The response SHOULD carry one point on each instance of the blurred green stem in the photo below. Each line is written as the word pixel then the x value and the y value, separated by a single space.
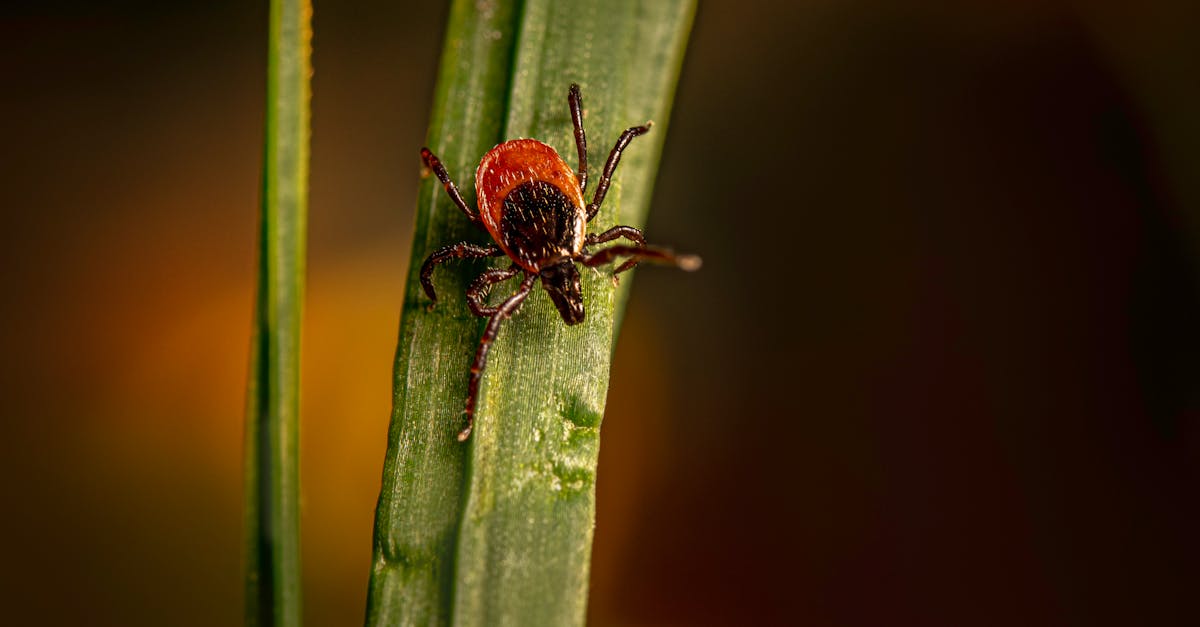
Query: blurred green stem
pixel 272 426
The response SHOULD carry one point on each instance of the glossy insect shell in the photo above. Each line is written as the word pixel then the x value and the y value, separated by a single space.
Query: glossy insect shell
pixel 530 201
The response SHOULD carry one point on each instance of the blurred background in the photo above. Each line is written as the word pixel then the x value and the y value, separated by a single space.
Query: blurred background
pixel 940 367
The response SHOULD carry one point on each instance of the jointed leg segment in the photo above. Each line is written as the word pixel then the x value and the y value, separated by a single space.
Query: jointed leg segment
pixel 501 313
pixel 461 250
pixel 628 232
pixel 435 164
pixel 639 253
pixel 478 292
pixel 610 166
pixel 575 101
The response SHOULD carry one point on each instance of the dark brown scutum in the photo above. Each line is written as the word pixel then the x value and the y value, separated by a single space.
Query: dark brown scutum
pixel 538 223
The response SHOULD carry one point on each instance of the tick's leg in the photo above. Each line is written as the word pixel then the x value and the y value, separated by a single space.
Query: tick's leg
pixel 628 232
pixel 610 166
pixel 502 312
pixel 575 101
pixel 435 164
pixel 461 250
pixel 640 253
pixel 478 292
pixel 629 264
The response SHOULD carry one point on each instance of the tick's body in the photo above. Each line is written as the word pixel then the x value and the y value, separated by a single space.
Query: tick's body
pixel 532 204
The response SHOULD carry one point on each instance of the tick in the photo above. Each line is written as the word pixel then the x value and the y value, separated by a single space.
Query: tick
pixel 532 204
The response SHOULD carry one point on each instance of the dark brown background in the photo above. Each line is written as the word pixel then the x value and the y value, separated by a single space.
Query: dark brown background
pixel 940 367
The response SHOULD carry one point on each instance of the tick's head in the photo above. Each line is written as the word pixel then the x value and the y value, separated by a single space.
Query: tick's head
pixel 561 281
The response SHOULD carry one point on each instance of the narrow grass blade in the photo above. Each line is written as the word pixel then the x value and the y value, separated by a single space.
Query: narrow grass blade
pixel 525 541
pixel 416 521
pixel 272 425
pixel 498 531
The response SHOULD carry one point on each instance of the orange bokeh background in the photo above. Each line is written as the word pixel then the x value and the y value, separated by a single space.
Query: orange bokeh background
pixel 939 368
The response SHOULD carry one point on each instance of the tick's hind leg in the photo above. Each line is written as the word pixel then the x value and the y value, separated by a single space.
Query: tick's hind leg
pixel 500 313
pixel 461 250
pixel 435 164
pixel 610 166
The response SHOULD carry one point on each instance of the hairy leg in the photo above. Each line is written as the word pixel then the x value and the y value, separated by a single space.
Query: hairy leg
pixel 610 166
pixel 435 164
pixel 478 292
pixel 502 313
pixel 575 102
pixel 628 232
pixel 640 253
pixel 461 250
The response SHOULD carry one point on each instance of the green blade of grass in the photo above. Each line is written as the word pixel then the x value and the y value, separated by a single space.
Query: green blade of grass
pixel 416 521
pixel 525 542
pixel 498 531
pixel 272 483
